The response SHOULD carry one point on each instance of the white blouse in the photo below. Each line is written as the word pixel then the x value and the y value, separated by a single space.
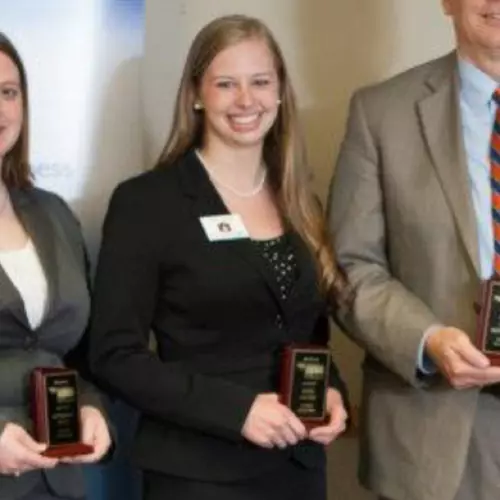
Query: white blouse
pixel 24 269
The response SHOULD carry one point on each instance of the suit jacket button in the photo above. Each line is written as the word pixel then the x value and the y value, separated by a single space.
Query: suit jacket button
pixel 279 321
pixel 30 341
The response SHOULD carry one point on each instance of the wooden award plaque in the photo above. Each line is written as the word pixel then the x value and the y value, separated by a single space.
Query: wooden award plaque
pixel 304 382
pixel 488 334
pixel 56 412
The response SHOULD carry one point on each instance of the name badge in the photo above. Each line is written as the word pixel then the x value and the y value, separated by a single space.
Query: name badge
pixel 224 227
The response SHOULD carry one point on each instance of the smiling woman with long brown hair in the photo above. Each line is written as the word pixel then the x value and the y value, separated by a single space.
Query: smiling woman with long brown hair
pixel 221 251
pixel 44 307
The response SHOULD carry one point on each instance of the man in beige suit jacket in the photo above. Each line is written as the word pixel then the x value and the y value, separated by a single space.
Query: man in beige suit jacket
pixel 406 231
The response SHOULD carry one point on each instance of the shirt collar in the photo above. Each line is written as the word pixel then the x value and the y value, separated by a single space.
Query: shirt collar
pixel 476 87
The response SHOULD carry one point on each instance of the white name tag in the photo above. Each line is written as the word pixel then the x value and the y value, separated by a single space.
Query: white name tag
pixel 224 227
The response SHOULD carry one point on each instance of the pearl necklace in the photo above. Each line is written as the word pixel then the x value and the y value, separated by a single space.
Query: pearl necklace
pixel 242 194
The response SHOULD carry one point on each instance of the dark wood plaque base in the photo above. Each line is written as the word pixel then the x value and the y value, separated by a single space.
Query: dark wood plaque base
pixel 69 450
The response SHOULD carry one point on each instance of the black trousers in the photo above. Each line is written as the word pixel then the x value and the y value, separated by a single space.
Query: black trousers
pixel 42 492
pixel 290 482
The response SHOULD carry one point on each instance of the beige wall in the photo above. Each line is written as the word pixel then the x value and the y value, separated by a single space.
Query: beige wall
pixel 332 47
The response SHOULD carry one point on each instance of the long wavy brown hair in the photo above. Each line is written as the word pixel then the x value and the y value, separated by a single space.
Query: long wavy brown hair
pixel 283 152
pixel 16 171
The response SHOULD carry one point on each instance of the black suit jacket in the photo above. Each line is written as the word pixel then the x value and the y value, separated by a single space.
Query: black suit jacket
pixel 57 341
pixel 218 319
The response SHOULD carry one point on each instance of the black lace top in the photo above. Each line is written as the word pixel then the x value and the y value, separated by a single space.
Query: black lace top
pixel 279 254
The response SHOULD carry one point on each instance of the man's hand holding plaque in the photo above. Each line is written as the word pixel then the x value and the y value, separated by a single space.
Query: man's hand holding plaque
pixel 459 360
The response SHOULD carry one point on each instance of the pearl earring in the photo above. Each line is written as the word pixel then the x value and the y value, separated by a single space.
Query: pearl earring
pixel 197 106
pixel 278 102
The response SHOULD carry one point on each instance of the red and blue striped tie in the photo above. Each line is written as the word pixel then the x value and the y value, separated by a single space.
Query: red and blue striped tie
pixel 495 182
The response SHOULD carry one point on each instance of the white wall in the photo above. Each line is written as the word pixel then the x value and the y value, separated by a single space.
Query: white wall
pixel 82 60
pixel 331 47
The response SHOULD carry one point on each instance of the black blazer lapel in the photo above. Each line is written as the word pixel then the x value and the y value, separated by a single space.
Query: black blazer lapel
pixel 37 224
pixel 196 184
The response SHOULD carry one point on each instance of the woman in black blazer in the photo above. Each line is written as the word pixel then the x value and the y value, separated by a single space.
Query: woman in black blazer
pixel 221 252
pixel 44 307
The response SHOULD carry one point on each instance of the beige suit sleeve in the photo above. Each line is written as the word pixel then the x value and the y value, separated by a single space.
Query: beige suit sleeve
pixel 385 318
